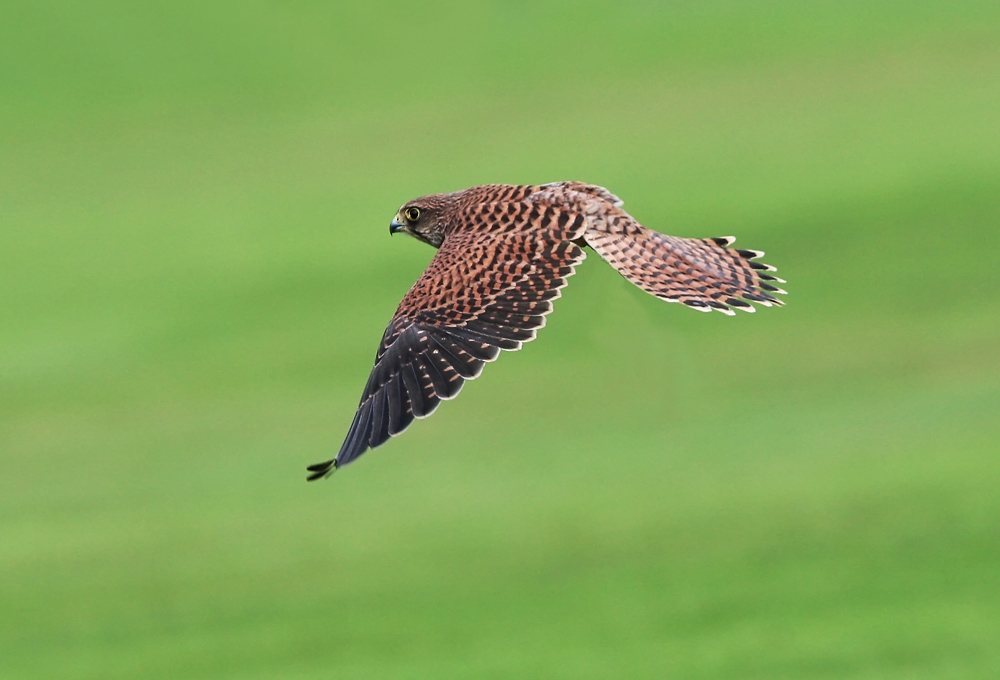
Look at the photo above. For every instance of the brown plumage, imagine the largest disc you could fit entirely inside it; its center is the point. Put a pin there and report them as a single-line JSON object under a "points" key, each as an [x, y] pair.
{"points": [[504, 252]]}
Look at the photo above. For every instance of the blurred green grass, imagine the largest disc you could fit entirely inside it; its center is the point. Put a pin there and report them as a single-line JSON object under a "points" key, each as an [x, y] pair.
{"points": [[195, 272]]}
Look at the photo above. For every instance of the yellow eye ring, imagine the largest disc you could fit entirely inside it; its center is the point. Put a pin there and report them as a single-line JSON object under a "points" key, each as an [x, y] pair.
{"points": [[412, 214]]}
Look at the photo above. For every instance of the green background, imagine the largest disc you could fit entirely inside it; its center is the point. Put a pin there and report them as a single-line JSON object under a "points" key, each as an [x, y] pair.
{"points": [[195, 270]]}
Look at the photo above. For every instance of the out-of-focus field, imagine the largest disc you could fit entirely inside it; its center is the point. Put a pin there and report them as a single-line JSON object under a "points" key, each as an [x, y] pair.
{"points": [[195, 270]]}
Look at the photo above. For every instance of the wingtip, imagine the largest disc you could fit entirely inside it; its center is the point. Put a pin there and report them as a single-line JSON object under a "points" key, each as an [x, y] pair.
{"points": [[320, 470]]}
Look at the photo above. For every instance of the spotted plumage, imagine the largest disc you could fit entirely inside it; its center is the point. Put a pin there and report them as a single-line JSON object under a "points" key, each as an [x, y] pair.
{"points": [[504, 251]]}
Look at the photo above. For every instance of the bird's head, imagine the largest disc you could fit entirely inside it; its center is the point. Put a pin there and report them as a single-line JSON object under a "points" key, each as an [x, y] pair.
{"points": [[423, 218]]}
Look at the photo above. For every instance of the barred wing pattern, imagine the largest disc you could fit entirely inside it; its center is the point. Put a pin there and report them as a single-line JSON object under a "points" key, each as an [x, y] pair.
{"points": [[488, 288], [703, 274]]}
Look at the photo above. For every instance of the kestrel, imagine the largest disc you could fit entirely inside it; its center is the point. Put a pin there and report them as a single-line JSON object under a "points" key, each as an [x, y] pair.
{"points": [[503, 253]]}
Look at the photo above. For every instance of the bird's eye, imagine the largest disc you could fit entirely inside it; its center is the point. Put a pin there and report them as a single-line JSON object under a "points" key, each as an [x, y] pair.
{"points": [[412, 214]]}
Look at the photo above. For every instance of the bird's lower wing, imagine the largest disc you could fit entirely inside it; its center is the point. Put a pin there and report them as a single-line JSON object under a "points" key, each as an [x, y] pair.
{"points": [[427, 354]]}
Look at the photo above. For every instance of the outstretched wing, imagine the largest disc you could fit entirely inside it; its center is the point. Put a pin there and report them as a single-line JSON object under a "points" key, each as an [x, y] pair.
{"points": [[704, 274], [488, 288]]}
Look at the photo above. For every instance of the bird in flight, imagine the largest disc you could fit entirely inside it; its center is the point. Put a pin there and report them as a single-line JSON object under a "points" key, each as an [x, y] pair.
{"points": [[503, 253]]}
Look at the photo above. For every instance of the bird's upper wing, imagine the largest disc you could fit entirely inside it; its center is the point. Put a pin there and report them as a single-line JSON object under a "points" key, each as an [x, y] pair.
{"points": [[702, 273], [488, 288]]}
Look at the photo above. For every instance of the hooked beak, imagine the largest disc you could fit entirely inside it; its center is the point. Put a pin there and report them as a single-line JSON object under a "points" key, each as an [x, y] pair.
{"points": [[397, 225]]}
